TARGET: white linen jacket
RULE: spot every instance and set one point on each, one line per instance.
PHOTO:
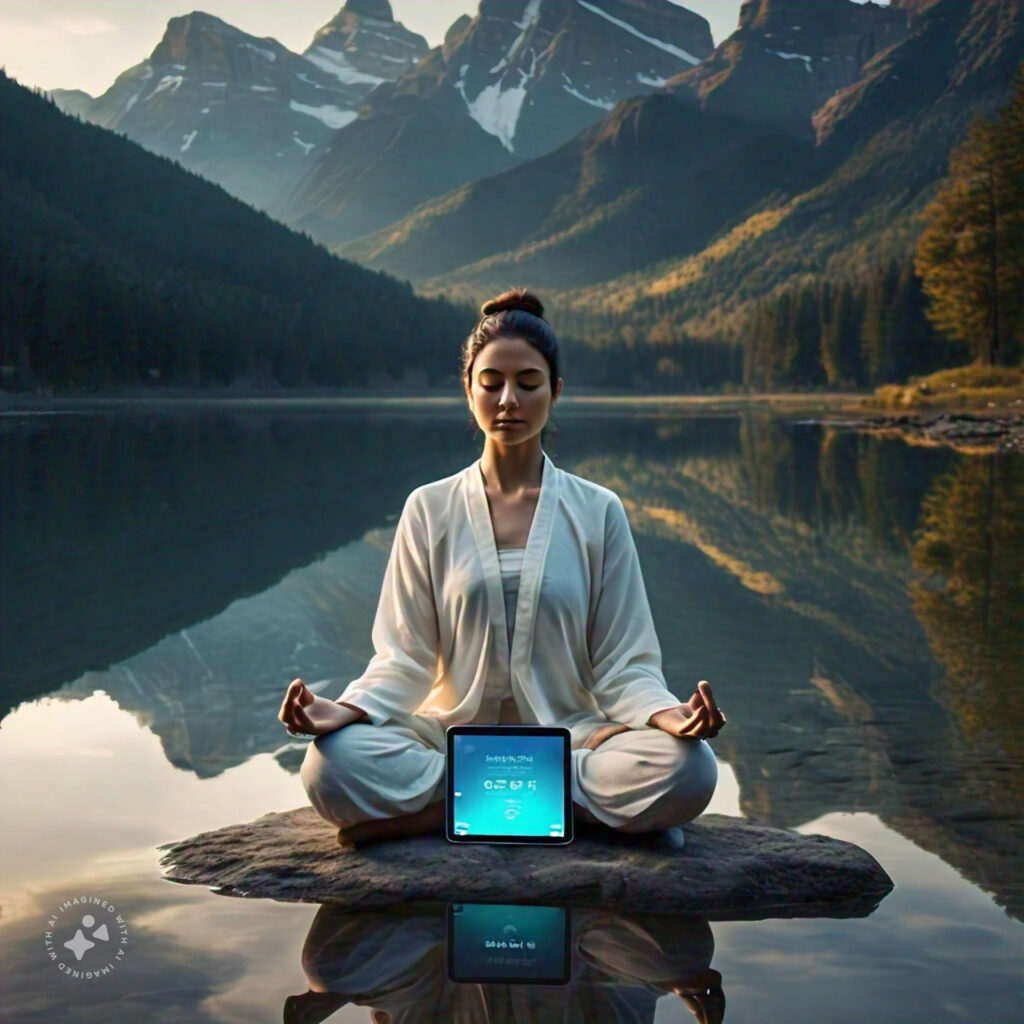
(584, 649)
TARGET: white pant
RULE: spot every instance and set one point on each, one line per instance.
(641, 780)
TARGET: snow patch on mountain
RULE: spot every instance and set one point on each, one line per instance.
(335, 63)
(795, 56)
(267, 55)
(531, 15)
(330, 115)
(188, 139)
(569, 88)
(659, 43)
(496, 109)
(168, 82)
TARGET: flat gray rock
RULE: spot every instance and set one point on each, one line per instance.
(729, 868)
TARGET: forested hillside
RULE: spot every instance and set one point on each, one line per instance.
(122, 268)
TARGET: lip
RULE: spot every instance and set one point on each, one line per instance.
(507, 423)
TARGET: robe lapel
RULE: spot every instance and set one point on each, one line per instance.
(532, 571)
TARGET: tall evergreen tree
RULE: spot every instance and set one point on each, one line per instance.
(971, 254)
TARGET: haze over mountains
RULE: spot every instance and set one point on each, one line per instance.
(247, 112)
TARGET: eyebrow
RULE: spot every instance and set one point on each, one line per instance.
(529, 369)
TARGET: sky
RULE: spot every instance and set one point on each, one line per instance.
(86, 44)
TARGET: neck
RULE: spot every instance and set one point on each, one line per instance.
(512, 468)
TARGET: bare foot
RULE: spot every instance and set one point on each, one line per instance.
(427, 820)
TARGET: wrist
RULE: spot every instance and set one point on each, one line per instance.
(660, 719)
(354, 714)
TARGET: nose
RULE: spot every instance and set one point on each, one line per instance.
(508, 397)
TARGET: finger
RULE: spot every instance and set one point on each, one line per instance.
(717, 719)
(296, 697)
(704, 689)
(697, 724)
(303, 720)
(294, 688)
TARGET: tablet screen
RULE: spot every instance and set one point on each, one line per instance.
(509, 784)
(500, 942)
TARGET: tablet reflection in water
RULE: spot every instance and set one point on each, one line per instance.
(501, 942)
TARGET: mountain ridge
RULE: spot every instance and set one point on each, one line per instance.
(515, 81)
(245, 111)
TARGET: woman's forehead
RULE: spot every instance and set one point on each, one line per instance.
(509, 353)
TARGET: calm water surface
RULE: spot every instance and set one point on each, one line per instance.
(857, 605)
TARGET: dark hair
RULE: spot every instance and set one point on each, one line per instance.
(515, 313)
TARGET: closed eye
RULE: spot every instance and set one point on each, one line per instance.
(495, 387)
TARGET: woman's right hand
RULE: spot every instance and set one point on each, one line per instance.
(304, 713)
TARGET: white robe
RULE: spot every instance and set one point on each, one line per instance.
(584, 649)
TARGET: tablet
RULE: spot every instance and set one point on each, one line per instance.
(508, 784)
(508, 943)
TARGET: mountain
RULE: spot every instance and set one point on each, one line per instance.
(787, 57)
(123, 269)
(247, 112)
(651, 179)
(682, 213)
(363, 44)
(514, 82)
(659, 175)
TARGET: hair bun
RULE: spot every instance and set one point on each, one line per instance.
(516, 298)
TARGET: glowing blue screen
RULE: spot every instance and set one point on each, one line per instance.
(508, 785)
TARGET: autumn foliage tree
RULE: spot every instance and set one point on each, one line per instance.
(971, 255)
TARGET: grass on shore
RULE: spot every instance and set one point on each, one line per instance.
(974, 387)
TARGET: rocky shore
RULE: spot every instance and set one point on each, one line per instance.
(974, 432)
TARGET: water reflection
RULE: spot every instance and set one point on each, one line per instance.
(972, 602)
(128, 527)
(856, 602)
(409, 967)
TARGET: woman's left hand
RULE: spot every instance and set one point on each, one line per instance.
(699, 718)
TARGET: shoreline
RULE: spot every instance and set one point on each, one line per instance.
(14, 401)
(977, 430)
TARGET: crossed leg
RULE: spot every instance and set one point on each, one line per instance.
(378, 782)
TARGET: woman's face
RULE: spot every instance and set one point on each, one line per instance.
(509, 382)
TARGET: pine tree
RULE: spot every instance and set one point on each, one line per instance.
(971, 255)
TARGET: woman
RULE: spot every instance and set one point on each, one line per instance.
(513, 593)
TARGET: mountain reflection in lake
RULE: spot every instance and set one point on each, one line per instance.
(857, 605)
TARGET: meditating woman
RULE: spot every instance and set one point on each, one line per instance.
(513, 594)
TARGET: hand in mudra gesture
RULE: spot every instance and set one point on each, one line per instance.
(699, 718)
(304, 713)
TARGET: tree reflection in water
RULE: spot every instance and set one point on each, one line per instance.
(971, 604)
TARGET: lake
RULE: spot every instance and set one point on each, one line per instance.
(857, 605)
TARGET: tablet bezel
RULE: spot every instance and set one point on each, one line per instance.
(505, 730)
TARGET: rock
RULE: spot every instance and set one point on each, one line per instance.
(729, 868)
